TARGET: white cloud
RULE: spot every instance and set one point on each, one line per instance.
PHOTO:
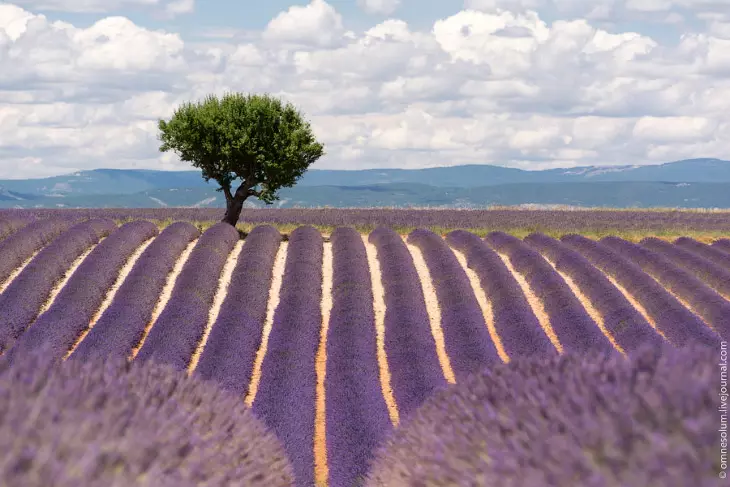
(499, 86)
(316, 24)
(381, 7)
(170, 7)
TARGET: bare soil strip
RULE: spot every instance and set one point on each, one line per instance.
(277, 278)
(123, 273)
(588, 305)
(682, 302)
(379, 312)
(535, 303)
(14, 274)
(220, 295)
(164, 295)
(434, 311)
(321, 471)
(70, 272)
(636, 304)
(484, 304)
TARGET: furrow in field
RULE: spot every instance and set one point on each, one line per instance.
(64, 280)
(484, 304)
(23, 300)
(670, 317)
(120, 326)
(177, 332)
(703, 269)
(696, 295)
(516, 327)
(614, 315)
(286, 397)
(466, 340)
(434, 311)
(68, 318)
(379, 310)
(277, 279)
(321, 471)
(220, 295)
(230, 352)
(165, 295)
(409, 344)
(538, 307)
(16, 272)
(714, 255)
(18, 248)
(357, 415)
(569, 320)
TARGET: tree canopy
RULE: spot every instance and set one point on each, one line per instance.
(257, 139)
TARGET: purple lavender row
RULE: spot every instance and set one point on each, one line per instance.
(24, 297)
(722, 245)
(18, 247)
(356, 414)
(572, 325)
(415, 370)
(672, 319)
(624, 323)
(230, 351)
(714, 255)
(466, 336)
(517, 326)
(178, 329)
(287, 389)
(706, 302)
(11, 225)
(121, 327)
(70, 314)
(704, 269)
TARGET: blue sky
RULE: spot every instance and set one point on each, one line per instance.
(522, 83)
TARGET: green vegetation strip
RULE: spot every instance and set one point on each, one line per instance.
(519, 232)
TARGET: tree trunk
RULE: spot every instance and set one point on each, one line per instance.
(234, 204)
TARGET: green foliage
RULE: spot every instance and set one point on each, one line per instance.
(256, 138)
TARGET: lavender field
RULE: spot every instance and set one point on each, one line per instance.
(335, 340)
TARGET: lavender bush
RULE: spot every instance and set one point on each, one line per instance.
(496, 219)
(466, 336)
(415, 371)
(178, 329)
(713, 254)
(574, 420)
(707, 303)
(108, 423)
(672, 319)
(63, 323)
(286, 393)
(516, 324)
(11, 225)
(622, 321)
(120, 328)
(704, 269)
(356, 414)
(573, 327)
(24, 297)
(722, 244)
(21, 245)
(229, 354)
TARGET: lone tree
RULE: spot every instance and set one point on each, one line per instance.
(253, 138)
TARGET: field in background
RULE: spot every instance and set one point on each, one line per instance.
(704, 225)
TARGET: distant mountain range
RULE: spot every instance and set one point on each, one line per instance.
(692, 183)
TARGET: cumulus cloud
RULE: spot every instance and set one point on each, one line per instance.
(316, 24)
(382, 7)
(500, 85)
